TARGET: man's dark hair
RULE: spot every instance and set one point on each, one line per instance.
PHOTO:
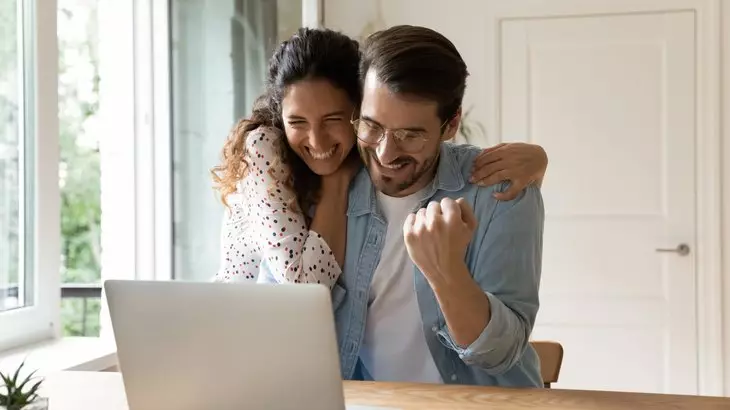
(417, 61)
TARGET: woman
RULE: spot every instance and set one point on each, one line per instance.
(296, 153)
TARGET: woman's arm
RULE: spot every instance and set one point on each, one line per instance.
(237, 249)
(330, 221)
(330, 216)
(521, 164)
(289, 250)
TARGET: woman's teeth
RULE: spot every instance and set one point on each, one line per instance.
(322, 155)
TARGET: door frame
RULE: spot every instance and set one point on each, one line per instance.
(312, 13)
(725, 65)
(708, 257)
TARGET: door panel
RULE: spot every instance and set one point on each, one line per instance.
(611, 98)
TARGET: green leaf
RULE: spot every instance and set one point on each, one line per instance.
(17, 373)
(27, 379)
(34, 389)
(6, 381)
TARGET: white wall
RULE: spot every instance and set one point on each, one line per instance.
(360, 18)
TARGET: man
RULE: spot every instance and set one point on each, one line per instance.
(440, 282)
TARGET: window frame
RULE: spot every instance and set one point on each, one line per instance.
(137, 229)
(41, 198)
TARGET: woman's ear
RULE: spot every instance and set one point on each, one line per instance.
(452, 126)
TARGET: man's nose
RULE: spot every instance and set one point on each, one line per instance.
(387, 150)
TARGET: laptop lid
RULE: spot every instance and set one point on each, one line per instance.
(192, 345)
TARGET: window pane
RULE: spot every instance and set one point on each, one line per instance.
(220, 52)
(15, 286)
(79, 171)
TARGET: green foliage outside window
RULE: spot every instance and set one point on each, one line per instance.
(79, 173)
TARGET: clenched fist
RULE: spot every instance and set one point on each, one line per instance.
(437, 237)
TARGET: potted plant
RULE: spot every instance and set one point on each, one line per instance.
(470, 131)
(21, 393)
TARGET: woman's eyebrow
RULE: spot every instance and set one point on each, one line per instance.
(299, 117)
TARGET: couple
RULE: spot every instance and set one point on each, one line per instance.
(434, 277)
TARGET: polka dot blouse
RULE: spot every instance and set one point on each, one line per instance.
(262, 227)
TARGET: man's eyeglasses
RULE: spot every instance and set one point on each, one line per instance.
(407, 141)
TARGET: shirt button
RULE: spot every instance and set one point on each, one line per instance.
(453, 377)
(435, 329)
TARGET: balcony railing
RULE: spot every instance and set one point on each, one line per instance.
(68, 290)
(83, 291)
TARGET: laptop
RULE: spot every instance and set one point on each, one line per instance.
(193, 345)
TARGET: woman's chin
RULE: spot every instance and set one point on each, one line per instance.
(324, 168)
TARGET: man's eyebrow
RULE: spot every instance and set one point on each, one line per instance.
(412, 129)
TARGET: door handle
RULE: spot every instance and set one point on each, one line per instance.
(682, 249)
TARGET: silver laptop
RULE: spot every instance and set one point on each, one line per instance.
(184, 345)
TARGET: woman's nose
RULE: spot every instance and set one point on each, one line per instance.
(318, 138)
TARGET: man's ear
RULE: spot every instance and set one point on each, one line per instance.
(355, 112)
(452, 126)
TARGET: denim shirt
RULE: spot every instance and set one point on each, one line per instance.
(504, 258)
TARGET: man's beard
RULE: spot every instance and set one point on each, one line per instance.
(386, 184)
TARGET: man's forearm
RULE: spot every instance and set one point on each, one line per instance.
(464, 304)
(330, 221)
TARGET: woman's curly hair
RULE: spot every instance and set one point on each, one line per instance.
(308, 54)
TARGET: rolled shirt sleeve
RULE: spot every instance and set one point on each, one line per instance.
(508, 269)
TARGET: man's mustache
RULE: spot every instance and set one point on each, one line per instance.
(402, 160)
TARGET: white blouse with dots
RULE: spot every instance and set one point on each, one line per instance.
(262, 227)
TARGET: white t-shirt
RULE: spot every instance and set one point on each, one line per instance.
(395, 347)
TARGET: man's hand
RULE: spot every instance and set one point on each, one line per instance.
(437, 237)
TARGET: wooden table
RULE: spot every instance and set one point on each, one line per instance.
(90, 390)
(420, 396)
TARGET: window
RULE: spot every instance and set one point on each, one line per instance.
(142, 116)
(79, 168)
(15, 286)
(28, 172)
(218, 69)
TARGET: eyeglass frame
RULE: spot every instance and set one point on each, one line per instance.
(385, 130)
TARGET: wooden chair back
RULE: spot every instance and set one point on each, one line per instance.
(551, 358)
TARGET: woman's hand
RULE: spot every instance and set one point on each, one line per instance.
(339, 181)
(520, 163)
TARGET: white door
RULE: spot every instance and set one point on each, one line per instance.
(611, 97)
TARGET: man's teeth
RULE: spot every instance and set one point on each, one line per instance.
(322, 155)
(394, 166)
